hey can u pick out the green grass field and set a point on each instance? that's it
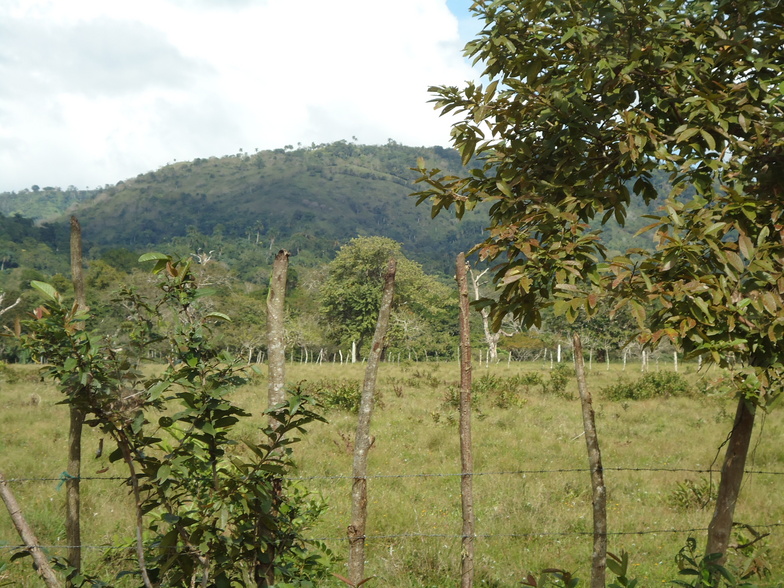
(533, 509)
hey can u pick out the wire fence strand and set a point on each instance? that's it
(443, 474)
(370, 537)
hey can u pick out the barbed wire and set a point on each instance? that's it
(528, 535)
(65, 475)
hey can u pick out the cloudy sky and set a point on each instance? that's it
(97, 91)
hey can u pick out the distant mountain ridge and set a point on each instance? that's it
(308, 200)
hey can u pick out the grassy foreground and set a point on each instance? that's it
(532, 511)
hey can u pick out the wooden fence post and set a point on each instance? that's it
(276, 341)
(356, 530)
(466, 456)
(599, 556)
(276, 349)
(73, 531)
(27, 535)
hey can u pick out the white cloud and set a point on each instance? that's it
(96, 91)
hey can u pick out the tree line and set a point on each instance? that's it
(331, 308)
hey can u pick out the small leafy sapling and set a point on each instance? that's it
(206, 511)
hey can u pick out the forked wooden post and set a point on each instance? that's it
(599, 556)
(356, 530)
(466, 456)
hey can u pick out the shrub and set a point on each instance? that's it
(339, 394)
(559, 378)
(8, 374)
(690, 495)
(500, 392)
(651, 385)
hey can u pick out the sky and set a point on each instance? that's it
(98, 91)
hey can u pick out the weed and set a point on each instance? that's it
(8, 374)
(559, 378)
(339, 394)
(705, 571)
(691, 495)
(651, 385)
(423, 378)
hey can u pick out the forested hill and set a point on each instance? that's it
(308, 200)
(244, 207)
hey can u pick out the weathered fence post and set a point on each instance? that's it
(73, 531)
(276, 349)
(599, 556)
(276, 341)
(466, 456)
(27, 535)
(356, 530)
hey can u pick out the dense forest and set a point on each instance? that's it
(230, 215)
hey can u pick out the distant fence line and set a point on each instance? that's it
(443, 474)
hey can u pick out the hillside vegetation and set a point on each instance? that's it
(308, 200)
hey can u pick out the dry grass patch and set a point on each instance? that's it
(531, 512)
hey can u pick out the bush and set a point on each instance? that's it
(651, 385)
(8, 374)
(691, 495)
(500, 392)
(339, 394)
(559, 378)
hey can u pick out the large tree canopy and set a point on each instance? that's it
(352, 293)
(582, 102)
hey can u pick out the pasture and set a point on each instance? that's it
(532, 490)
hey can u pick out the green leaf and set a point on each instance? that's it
(163, 472)
(155, 391)
(709, 140)
(153, 256)
(687, 134)
(47, 290)
(218, 315)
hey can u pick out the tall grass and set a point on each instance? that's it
(532, 490)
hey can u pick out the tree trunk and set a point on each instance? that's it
(720, 528)
(276, 342)
(466, 457)
(599, 556)
(27, 535)
(73, 532)
(356, 530)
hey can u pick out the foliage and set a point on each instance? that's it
(650, 385)
(339, 394)
(689, 495)
(351, 295)
(307, 200)
(554, 577)
(8, 374)
(619, 565)
(687, 87)
(585, 97)
(504, 392)
(703, 571)
(208, 509)
(559, 378)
